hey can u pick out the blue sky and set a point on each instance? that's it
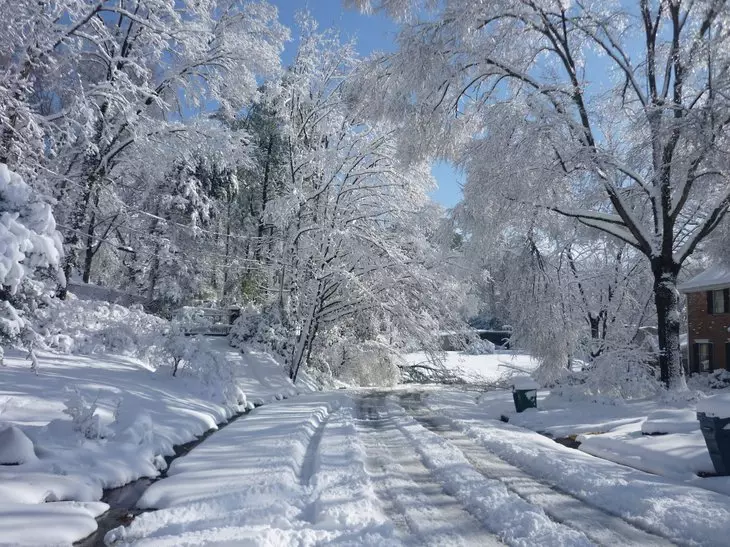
(373, 33)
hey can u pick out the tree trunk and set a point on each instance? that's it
(666, 298)
(89, 251)
(226, 265)
(78, 218)
(264, 201)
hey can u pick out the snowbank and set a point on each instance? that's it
(15, 447)
(100, 421)
(59, 523)
(666, 421)
(658, 504)
(287, 474)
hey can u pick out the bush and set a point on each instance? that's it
(90, 326)
(619, 374)
(479, 347)
(261, 328)
(192, 357)
(83, 415)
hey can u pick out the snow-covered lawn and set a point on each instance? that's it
(660, 436)
(480, 368)
(671, 504)
(141, 415)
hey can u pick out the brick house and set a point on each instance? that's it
(708, 319)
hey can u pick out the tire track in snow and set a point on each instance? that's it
(417, 504)
(309, 463)
(597, 524)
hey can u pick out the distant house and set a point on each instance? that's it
(708, 319)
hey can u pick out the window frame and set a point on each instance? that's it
(709, 355)
(718, 302)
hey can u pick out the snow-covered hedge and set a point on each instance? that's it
(718, 379)
(613, 376)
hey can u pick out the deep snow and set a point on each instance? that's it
(141, 415)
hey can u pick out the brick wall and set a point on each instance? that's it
(704, 326)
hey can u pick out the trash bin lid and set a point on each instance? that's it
(717, 406)
(524, 383)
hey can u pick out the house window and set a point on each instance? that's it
(704, 356)
(718, 301)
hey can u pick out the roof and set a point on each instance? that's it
(716, 277)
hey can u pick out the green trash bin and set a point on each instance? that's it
(524, 393)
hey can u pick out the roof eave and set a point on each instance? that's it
(702, 288)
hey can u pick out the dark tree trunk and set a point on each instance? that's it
(666, 299)
(78, 218)
(89, 251)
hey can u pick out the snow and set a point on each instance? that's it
(308, 472)
(132, 415)
(717, 406)
(524, 383)
(288, 474)
(517, 521)
(658, 504)
(15, 447)
(670, 421)
(715, 277)
(480, 368)
(59, 523)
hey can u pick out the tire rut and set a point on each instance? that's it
(599, 525)
(416, 503)
(310, 455)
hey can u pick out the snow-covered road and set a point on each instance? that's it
(412, 497)
(384, 468)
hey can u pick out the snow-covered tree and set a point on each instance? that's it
(30, 245)
(339, 228)
(611, 113)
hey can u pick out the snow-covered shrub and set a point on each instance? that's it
(83, 414)
(29, 244)
(261, 328)
(368, 364)
(193, 357)
(619, 374)
(718, 379)
(479, 347)
(89, 326)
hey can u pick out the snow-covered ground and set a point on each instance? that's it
(664, 505)
(385, 468)
(140, 415)
(479, 368)
(413, 465)
(660, 435)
